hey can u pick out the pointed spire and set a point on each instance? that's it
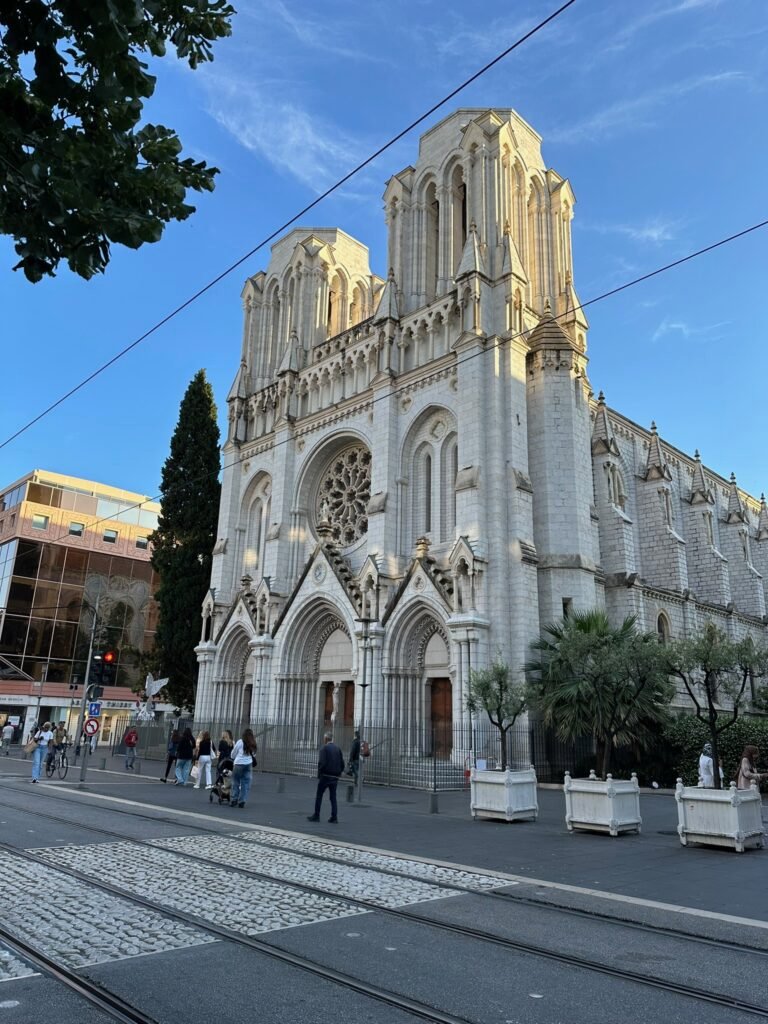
(762, 520)
(510, 261)
(472, 257)
(656, 467)
(699, 490)
(241, 384)
(387, 308)
(290, 361)
(735, 512)
(548, 333)
(603, 440)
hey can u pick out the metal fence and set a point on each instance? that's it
(432, 757)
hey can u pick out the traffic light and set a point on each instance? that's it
(108, 668)
(95, 673)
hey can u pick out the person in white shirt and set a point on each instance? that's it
(42, 737)
(706, 769)
(7, 738)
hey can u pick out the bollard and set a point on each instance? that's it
(137, 766)
(280, 784)
(433, 809)
(103, 764)
(350, 792)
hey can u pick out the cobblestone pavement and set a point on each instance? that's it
(343, 880)
(363, 858)
(11, 967)
(214, 894)
(86, 927)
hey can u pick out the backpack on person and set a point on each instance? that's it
(365, 749)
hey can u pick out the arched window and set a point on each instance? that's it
(449, 467)
(431, 241)
(662, 628)
(357, 310)
(335, 311)
(254, 525)
(427, 493)
(458, 215)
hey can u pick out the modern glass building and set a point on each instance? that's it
(74, 560)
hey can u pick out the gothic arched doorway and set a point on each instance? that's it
(337, 690)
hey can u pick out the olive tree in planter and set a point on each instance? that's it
(504, 794)
(588, 677)
(721, 677)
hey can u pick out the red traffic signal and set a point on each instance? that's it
(108, 657)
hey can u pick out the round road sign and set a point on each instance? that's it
(91, 726)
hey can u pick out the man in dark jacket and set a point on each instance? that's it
(354, 756)
(329, 768)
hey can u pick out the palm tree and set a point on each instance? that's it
(588, 677)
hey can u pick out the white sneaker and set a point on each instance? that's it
(195, 787)
(209, 787)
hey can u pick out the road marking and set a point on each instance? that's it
(504, 878)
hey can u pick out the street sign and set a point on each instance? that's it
(94, 709)
(91, 726)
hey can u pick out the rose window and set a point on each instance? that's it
(344, 493)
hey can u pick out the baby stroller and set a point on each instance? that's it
(223, 783)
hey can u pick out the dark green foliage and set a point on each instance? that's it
(590, 678)
(718, 675)
(686, 735)
(182, 545)
(76, 171)
(493, 691)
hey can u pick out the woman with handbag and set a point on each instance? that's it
(244, 757)
(41, 738)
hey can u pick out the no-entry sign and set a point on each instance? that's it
(91, 726)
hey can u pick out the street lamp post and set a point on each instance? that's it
(365, 625)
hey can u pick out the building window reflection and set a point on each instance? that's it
(40, 522)
(110, 536)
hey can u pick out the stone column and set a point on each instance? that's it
(204, 702)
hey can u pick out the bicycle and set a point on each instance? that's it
(57, 763)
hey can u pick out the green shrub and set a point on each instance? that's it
(686, 735)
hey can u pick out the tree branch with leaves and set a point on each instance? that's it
(718, 675)
(78, 171)
(492, 690)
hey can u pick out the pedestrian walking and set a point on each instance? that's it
(204, 754)
(44, 738)
(354, 756)
(226, 745)
(8, 732)
(244, 757)
(173, 744)
(329, 768)
(706, 768)
(184, 754)
(748, 773)
(131, 740)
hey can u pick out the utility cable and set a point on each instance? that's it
(278, 231)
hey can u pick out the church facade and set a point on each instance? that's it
(418, 476)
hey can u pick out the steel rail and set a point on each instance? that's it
(464, 931)
(113, 1005)
(509, 897)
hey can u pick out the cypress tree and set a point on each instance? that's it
(182, 545)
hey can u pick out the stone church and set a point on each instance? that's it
(418, 474)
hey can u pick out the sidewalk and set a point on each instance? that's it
(651, 866)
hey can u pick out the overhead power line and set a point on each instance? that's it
(474, 355)
(278, 231)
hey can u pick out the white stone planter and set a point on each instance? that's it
(504, 796)
(595, 805)
(720, 817)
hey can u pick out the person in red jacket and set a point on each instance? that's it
(130, 740)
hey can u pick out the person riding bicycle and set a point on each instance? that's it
(60, 741)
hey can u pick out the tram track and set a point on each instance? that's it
(519, 946)
(484, 894)
(92, 992)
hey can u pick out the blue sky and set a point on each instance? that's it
(655, 111)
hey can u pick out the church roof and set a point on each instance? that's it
(699, 490)
(240, 385)
(511, 262)
(735, 512)
(548, 333)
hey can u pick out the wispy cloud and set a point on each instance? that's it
(636, 112)
(656, 230)
(682, 329)
(651, 17)
(323, 36)
(287, 135)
